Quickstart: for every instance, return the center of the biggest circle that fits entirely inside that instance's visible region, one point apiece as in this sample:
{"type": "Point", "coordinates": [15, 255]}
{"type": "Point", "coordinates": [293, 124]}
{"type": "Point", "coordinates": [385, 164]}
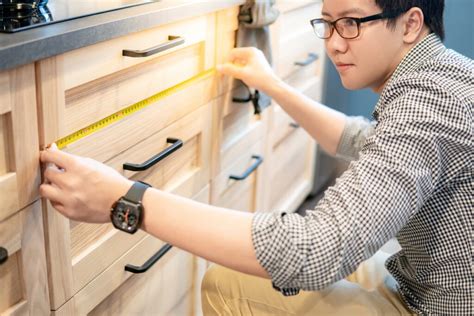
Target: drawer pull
{"type": "Point", "coordinates": [177, 143]}
{"type": "Point", "coordinates": [150, 262]}
{"type": "Point", "coordinates": [258, 161]}
{"type": "Point", "coordinates": [295, 125]}
{"type": "Point", "coordinates": [173, 41]}
{"type": "Point", "coordinates": [3, 255]}
{"type": "Point", "coordinates": [312, 57]}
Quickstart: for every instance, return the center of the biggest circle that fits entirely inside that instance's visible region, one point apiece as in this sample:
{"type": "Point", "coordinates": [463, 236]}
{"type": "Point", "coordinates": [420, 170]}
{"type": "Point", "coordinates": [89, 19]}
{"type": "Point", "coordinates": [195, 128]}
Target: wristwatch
{"type": "Point", "coordinates": [127, 213]}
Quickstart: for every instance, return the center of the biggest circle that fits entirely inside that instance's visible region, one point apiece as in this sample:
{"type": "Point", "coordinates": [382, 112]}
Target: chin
{"type": "Point", "coordinates": [351, 84]}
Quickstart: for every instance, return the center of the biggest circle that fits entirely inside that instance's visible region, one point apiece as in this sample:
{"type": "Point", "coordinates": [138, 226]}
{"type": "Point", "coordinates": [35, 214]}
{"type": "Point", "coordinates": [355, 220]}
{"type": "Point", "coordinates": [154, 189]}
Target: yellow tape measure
{"type": "Point", "coordinates": [94, 127]}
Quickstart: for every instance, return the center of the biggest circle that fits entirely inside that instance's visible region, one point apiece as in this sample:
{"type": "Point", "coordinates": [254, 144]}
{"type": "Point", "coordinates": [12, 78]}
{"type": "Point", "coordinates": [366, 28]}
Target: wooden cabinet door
{"type": "Point", "coordinates": [239, 185]}
{"type": "Point", "coordinates": [83, 86]}
{"type": "Point", "coordinates": [170, 287]}
{"type": "Point", "coordinates": [296, 45]}
{"type": "Point", "coordinates": [23, 273]}
{"type": "Point", "coordinates": [87, 85]}
{"type": "Point", "coordinates": [19, 149]}
{"type": "Point", "coordinates": [84, 250]}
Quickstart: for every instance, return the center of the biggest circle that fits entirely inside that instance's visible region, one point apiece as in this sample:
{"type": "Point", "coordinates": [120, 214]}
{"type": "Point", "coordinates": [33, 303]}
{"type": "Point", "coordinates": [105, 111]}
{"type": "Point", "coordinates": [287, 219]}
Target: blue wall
{"type": "Point", "coordinates": [459, 15]}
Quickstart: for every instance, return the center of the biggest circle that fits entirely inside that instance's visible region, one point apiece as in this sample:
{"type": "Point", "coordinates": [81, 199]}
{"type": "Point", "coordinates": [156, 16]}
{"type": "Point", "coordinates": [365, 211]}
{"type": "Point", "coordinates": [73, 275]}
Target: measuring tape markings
{"type": "Point", "coordinates": [119, 115]}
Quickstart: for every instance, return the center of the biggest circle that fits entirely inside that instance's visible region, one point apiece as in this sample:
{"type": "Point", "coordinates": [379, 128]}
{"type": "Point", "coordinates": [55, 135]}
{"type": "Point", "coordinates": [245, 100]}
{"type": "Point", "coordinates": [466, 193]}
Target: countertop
{"type": "Point", "coordinates": [38, 43]}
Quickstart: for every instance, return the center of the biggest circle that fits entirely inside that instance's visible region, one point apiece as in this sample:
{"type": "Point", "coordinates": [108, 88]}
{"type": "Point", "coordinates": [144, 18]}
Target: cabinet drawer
{"type": "Point", "coordinates": [282, 124]}
{"type": "Point", "coordinates": [169, 287]}
{"type": "Point", "coordinates": [19, 155]}
{"type": "Point", "coordinates": [83, 86]}
{"type": "Point", "coordinates": [88, 249]}
{"type": "Point", "coordinates": [23, 275]}
{"type": "Point", "coordinates": [239, 186]}
{"type": "Point", "coordinates": [292, 161]}
{"type": "Point", "coordinates": [237, 127]}
{"type": "Point", "coordinates": [298, 47]}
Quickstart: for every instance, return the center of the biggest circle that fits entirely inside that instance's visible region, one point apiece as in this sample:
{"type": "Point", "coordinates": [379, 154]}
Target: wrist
{"type": "Point", "coordinates": [276, 87]}
{"type": "Point", "coordinates": [127, 212]}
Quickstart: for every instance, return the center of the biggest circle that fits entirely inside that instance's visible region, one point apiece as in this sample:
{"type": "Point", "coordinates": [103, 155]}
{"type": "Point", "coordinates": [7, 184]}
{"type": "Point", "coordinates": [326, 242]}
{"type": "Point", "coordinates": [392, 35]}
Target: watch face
{"type": "Point", "coordinates": [126, 215]}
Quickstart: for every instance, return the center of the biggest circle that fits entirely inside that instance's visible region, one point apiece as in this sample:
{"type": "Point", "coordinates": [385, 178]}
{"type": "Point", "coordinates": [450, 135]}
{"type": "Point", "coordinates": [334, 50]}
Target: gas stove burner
{"type": "Point", "coordinates": [19, 15]}
{"type": "Point", "coordinates": [24, 5]}
{"type": "Point", "coordinates": [13, 17]}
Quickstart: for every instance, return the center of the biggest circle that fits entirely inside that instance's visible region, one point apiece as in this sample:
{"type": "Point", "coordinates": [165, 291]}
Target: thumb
{"type": "Point", "coordinates": [230, 70]}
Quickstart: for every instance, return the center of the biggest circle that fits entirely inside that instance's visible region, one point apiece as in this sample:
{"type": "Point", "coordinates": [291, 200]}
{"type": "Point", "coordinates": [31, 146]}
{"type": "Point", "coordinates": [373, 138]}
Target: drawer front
{"type": "Point", "coordinates": [170, 287]}
{"type": "Point", "coordinates": [291, 168]}
{"type": "Point", "coordinates": [282, 124]}
{"type": "Point", "coordinates": [83, 86]}
{"type": "Point", "coordinates": [184, 172]}
{"type": "Point", "coordinates": [23, 276]}
{"type": "Point", "coordinates": [19, 155]}
{"type": "Point", "coordinates": [239, 187]}
{"type": "Point", "coordinates": [298, 47]}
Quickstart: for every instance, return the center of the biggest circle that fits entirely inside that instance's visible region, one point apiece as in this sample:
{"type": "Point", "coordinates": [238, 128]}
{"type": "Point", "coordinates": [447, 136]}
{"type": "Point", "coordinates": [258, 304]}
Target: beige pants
{"type": "Point", "coordinates": [368, 291]}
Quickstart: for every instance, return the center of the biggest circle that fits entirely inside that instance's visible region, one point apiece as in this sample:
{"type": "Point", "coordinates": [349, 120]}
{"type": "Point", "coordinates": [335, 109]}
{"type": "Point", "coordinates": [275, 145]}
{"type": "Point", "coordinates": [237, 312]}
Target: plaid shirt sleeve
{"type": "Point", "coordinates": [356, 131]}
{"type": "Point", "coordinates": [368, 205]}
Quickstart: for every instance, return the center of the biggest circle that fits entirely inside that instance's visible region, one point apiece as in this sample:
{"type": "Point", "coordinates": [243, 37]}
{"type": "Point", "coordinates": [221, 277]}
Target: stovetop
{"type": "Point", "coordinates": [14, 20]}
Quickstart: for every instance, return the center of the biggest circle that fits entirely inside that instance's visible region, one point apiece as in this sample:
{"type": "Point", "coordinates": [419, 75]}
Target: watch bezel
{"type": "Point", "coordinates": [120, 224]}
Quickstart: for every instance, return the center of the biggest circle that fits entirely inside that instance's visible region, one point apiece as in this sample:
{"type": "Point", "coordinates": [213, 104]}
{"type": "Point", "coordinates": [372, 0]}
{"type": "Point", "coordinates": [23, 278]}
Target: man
{"type": "Point", "coordinates": [411, 178]}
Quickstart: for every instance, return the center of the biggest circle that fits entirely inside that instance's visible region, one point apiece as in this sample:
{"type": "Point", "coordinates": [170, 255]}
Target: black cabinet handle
{"type": "Point", "coordinates": [3, 255]}
{"type": "Point", "coordinates": [173, 41]}
{"type": "Point", "coordinates": [295, 125]}
{"type": "Point", "coordinates": [258, 161]}
{"type": "Point", "coordinates": [150, 262]}
{"type": "Point", "coordinates": [312, 57]}
{"type": "Point", "coordinates": [177, 143]}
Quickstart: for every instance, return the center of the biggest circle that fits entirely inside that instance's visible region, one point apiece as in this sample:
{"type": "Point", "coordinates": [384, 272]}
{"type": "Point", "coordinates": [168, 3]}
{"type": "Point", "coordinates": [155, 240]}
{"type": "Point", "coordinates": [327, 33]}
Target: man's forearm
{"type": "Point", "coordinates": [219, 235]}
{"type": "Point", "coordinates": [324, 124]}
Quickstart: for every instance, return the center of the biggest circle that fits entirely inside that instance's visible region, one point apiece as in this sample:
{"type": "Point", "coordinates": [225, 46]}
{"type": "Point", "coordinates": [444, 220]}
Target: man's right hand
{"type": "Point", "coordinates": [250, 65]}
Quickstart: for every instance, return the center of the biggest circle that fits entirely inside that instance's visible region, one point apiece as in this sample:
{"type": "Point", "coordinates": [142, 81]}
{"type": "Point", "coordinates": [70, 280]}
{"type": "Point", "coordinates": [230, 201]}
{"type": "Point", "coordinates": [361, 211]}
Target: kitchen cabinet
{"type": "Point", "coordinates": [19, 167]}
{"type": "Point", "coordinates": [222, 153]}
{"type": "Point", "coordinates": [73, 97]}
{"type": "Point", "coordinates": [23, 276]}
{"type": "Point", "coordinates": [299, 58]}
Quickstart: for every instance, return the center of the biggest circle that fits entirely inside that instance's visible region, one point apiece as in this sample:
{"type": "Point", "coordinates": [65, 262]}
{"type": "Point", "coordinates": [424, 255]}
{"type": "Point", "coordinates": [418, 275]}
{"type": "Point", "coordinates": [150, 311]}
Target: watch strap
{"type": "Point", "coordinates": [135, 193]}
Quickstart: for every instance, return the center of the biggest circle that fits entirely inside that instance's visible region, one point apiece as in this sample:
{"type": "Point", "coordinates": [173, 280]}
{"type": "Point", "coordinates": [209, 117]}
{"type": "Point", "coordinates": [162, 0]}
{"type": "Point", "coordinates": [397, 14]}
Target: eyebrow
{"type": "Point", "coordinates": [346, 12]}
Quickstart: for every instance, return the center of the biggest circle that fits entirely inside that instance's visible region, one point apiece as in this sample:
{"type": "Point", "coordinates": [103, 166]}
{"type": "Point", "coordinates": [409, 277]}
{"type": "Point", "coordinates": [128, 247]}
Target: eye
{"type": "Point", "coordinates": [348, 22]}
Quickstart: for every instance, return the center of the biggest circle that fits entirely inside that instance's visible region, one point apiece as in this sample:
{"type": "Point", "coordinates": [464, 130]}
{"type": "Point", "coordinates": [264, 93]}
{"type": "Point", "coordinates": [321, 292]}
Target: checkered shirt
{"type": "Point", "coordinates": [411, 177]}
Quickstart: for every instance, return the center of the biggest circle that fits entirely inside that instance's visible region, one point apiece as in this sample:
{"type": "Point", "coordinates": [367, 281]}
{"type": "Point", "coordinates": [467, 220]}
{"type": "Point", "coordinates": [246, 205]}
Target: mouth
{"type": "Point", "coordinates": [343, 67]}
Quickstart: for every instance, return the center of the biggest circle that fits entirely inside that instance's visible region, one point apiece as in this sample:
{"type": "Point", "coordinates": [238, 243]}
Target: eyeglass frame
{"type": "Point", "coordinates": [358, 21]}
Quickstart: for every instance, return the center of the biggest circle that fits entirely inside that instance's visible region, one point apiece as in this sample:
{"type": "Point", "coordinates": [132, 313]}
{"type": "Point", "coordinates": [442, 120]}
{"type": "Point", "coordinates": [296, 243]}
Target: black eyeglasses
{"type": "Point", "coordinates": [346, 27]}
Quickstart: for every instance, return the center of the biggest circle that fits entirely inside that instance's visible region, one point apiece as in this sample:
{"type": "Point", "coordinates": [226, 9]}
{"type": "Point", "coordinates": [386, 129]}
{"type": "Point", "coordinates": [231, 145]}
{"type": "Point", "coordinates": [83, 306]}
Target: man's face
{"type": "Point", "coordinates": [369, 60]}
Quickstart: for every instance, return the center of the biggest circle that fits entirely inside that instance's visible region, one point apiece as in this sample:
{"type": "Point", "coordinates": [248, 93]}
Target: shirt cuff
{"type": "Point", "coordinates": [356, 130]}
{"type": "Point", "coordinates": [276, 250]}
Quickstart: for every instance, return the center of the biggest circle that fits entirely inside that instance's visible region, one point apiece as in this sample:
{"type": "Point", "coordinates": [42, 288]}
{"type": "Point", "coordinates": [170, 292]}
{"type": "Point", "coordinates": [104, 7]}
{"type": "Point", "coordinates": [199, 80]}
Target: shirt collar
{"type": "Point", "coordinates": [426, 49]}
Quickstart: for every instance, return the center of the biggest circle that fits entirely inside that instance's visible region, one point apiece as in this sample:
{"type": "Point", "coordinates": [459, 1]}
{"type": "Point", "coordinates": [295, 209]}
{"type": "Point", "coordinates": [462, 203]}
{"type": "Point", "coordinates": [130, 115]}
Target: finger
{"type": "Point", "coordinates": [59, 207]}
{"type": "Point", "coordinates": [57, 157]}
{"type": "Point", "coordinates": [230, 70]}
{"type": "Point", "coordinates": [51, 193]}
{"type": "Point", "coordinates": [241, 53]}
{"type": "Point", "coordinates": [54, 176]}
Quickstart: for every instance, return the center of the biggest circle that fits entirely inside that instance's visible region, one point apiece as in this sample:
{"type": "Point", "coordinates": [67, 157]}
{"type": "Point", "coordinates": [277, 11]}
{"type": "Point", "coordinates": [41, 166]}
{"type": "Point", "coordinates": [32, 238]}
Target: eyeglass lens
{"type": "Point", "coordinates": [346, 27]}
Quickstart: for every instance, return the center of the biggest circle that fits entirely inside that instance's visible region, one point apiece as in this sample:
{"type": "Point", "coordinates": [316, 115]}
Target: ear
{"type": "Point", "coordinates": [414, 24]}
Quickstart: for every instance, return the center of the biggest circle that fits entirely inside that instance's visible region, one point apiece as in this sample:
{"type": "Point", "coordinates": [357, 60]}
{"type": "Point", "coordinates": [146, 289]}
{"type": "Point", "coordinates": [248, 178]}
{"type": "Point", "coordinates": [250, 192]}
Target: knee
{"type": "Point", "coordinates": [215, 288]}
{"type": "Point", "coordinates": [216, 280]}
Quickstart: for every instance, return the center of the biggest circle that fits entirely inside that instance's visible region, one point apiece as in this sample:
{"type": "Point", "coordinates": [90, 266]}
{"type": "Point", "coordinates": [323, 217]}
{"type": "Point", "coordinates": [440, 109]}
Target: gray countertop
{"type": "Point", "coordinates": [38, 43]}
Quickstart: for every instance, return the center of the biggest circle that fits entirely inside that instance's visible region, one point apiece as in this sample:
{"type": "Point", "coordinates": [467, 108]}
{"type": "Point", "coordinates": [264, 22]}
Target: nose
{"type": "Point", "coordinates": [336, 44]}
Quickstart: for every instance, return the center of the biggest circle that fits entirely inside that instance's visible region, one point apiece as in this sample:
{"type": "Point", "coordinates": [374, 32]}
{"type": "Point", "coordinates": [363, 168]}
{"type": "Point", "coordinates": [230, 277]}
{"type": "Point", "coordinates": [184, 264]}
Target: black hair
{"type": "Point", "coordinates": [432, 11]}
